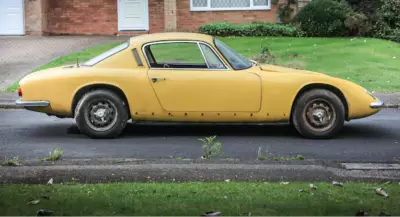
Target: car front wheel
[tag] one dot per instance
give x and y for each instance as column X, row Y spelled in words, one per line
column 318, row 114
column 101, row 114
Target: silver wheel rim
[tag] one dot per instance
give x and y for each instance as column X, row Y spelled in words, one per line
column 101, row 115
column 319, row 115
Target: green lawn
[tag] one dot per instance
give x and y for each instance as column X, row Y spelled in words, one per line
column 193, row 199
column 372, row 63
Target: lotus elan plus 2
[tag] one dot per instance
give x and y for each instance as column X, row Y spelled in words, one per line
column 188, row 77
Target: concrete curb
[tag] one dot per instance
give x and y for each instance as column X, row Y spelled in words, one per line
column 370, row 166
column 187, row 172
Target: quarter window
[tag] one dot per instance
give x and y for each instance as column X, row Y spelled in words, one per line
column 212, row 59
column 106, row 54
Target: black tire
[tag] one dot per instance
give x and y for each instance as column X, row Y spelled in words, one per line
column 313, row 109
column 90, row 122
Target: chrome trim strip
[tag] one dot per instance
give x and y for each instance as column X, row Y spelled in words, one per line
column 183, row 41
column 23, row 103
column 376, row 105
column 202, row 53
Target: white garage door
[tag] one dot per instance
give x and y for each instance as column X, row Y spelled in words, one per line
column 11, row 17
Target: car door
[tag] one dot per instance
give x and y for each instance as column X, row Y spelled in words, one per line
column 189, row 76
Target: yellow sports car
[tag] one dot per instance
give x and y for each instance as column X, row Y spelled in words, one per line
column 188, row 77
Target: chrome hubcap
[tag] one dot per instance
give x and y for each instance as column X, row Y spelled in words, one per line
column 320, row 115
column 101, row 115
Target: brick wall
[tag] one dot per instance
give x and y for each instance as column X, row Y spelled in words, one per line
column 156, row 16
column 190, row 20
column 99, row 17
column 82, row 17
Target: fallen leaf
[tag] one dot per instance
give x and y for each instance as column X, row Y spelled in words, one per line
column 337, row 183
column 381, row 192
column 33, row 202
column 361, row 213
column 45, row 197
column 44, row 212
column 212, row 214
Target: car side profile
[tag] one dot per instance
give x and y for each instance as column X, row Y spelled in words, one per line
column 189, row 77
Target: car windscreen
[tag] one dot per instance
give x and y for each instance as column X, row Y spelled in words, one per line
column 237, row 61
column 106, row 54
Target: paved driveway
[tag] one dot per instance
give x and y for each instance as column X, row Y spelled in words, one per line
column 20, row 55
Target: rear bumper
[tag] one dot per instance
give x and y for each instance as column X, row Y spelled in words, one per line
column 40, row 103
column 377, row 105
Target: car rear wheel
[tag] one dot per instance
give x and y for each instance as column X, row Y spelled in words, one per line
column 318, row 114
column 101, row 114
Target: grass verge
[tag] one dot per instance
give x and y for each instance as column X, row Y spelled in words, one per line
column 372, row 63
column 193, row 199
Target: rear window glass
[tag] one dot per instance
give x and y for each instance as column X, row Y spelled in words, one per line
column 106, row 54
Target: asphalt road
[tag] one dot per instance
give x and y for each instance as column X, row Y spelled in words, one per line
column 31, row 135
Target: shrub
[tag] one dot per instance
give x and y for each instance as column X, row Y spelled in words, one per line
column 357, row 23
column 382, row 30
column 250, row 29
column 390, row 13
column 388, row 24
column 367, row 7
column 324, row 18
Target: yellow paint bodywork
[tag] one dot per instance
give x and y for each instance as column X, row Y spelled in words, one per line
column 263, row 93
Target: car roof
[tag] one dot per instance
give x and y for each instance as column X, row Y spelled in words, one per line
column 171, row 36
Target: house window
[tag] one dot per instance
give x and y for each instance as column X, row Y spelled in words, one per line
column 225, row 5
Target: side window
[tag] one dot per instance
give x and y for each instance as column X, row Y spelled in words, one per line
column 212, row 59
column 176, row 55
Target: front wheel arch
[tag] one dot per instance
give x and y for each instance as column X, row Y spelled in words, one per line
column 331, row 88
column 82, row 91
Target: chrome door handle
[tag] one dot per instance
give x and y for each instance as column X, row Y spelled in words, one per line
column 154, row 80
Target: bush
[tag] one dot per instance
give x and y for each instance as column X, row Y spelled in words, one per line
column 384, row 31
column 388, row 24
column 357, row 24
column 390, row 13
column 324, row 18
column 250, row 29
column 367, row 7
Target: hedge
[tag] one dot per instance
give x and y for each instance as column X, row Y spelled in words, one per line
column 250, row 29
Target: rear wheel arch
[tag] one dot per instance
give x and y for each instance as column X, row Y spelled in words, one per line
column 331, row 88
column 86, row 89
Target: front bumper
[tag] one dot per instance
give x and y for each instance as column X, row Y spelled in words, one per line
column 23, row 103
column 377, row 105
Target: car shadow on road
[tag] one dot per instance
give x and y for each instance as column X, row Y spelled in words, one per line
column 350, row 131
column 162, row 130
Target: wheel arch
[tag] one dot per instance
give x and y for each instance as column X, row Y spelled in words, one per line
column 91, row 87
column 329, row 87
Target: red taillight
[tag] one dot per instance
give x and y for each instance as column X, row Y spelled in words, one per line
column 19, row 92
